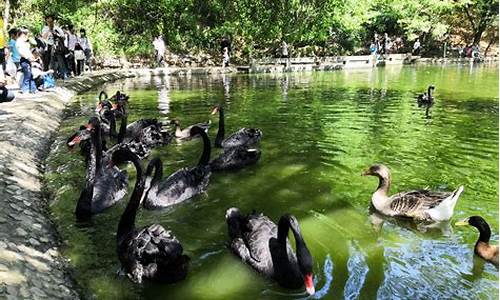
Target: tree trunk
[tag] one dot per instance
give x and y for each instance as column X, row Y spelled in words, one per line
column 492, row 40
column 478, row 34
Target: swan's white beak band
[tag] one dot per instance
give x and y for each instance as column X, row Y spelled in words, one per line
column 74, row 141
column 309, row 283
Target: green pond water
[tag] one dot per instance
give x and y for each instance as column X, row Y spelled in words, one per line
column 320, row 131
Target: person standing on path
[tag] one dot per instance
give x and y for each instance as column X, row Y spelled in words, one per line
column 54, row 57
column 23, row 46
column 159, row 46
column 86, row 45
column 4, row 51
column 225, row 58
column 284, row 50
column 373, row 53
column 225, row 47
column 14, row 54
column 71, row 41
column 416, row 47
column 386, row 44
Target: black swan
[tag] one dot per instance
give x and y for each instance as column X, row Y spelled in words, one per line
column 426, row 98
column 265, row 247
column 103, row 102
column 82, row 138
column 151, row 252
column 181, row 185
column 119, row 108
column 185, row 133
column 235, row 158
column 142, row 144
column 242, row 137
column 104, row 185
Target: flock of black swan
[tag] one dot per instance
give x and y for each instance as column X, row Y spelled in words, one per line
column 154, row 253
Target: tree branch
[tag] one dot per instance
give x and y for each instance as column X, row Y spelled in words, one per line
column 471, row 19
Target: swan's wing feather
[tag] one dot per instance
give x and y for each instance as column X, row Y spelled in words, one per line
column 154, row 253
column 235, row 158
column 258, row 232
column 407, row 203
column 109, row 188
column 180, row 186
column 242, row 137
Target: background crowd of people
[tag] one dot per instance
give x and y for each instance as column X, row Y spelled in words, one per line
column 35, row 60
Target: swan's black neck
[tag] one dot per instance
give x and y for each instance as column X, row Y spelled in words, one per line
column 103, row 93
column 112, row 125
column 304, row 258
column 97, row 144
column 429, row 91
column 205, row 156
column 127, row 220
column 155, row 164
column 123, row 129
column 83, row 209
column 220, row 133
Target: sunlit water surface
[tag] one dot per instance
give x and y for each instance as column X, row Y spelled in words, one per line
column 320, row 131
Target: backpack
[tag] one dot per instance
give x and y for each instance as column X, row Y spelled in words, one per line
column 48, row 81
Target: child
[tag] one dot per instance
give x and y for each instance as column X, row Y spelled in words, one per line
column 80, row 59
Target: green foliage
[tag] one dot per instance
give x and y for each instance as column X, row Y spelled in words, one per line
column 321, row 27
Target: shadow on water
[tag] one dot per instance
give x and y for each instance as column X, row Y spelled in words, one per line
column 320, row 131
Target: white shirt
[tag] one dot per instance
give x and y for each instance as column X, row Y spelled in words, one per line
column 48, row 35
column 416, row 45
column 24, row 49
column 284, row 49
column 79, row 55
column 71, row 41
column 159, row 45
column 85, row 43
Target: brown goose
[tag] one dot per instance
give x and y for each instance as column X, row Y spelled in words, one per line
column 418, row 204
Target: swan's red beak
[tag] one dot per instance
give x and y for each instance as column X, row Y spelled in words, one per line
column 308, row 282
column 74, row 141
column 214, row 110
column 98, row 107
column 114, row 106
